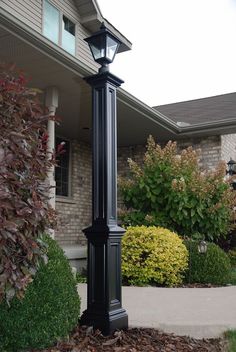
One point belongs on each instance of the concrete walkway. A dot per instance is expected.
(196, 312)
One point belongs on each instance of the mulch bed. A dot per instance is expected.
(84, 339)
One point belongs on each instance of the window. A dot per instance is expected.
(51, 22)
(58, 28)
(68, 35)
(62, 169)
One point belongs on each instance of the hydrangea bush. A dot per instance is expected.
(171, 190)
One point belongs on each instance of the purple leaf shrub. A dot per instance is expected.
(24, 164)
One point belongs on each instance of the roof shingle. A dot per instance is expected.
(209, 109)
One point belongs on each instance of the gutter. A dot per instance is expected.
(205, 127)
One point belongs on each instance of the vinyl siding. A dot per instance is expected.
(31, 13)
(28, 11)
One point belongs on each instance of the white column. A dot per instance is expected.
(51, 102)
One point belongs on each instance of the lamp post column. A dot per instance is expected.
(104, 307)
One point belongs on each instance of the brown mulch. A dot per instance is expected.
(85, 339)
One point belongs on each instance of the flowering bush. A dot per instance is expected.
(170, 190)
(24, 164)
(153, 255)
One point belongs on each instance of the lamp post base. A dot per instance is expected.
(104, 308)
(107, 322)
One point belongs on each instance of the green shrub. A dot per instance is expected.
(172, 191)
(212, 267)
(232, 257)
(153, 255)
(49, 310)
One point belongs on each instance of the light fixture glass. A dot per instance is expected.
(104, 46)
(202, 247)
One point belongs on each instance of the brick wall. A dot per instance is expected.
(210, 149)
(210, 152)
(74, 212)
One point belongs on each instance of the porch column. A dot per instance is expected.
(51, 102)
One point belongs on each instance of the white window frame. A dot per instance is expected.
(61, 14)
(69, 197)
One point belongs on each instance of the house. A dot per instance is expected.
(45, 39)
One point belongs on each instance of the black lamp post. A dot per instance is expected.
(231, 167)
(104, 309)
(231, 171)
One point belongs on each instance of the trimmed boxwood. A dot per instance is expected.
(212, 267)
(153, 255)
(49, 310)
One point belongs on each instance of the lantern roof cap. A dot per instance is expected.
(103, 29)
(231, 162)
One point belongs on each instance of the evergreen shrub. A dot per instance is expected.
(212, 267)
(232, 257)
(153, 255)
(49, 310)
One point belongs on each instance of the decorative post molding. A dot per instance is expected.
(104, 306)
(51, 102)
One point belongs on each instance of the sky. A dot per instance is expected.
(182, 50)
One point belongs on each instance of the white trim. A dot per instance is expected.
(61, 14)
(69, 198)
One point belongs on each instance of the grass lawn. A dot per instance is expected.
(231, 337)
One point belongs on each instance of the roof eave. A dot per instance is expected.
(93, 18)
(19, 29)
(93, 24)
(226, 126)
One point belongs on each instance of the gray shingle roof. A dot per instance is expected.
(210, 109)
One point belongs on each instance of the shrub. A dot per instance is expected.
(212, 267)
(153, 255)
(24, 164)
(171, 191)
(49, 310)
(232, 257)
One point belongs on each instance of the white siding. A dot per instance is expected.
(31, 13)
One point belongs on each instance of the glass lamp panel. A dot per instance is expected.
(112, 46)
(97, 47)
(97, 51)
(51, 22)
(234, 168)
